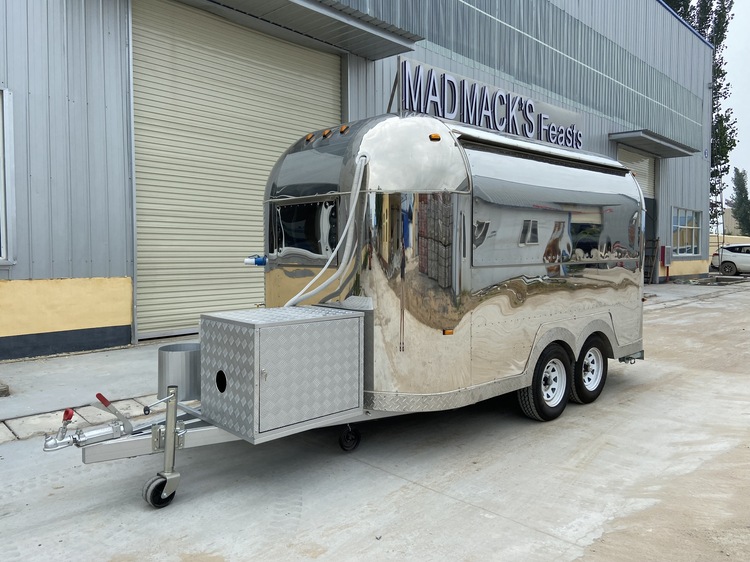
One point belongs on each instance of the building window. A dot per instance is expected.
(305, 229)
(686, 232)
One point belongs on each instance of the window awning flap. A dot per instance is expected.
(653, 143)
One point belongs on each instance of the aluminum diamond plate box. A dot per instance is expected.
(271, 372)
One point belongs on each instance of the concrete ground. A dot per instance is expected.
(656, 469)
(40, 389)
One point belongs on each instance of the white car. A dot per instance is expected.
(732, 259)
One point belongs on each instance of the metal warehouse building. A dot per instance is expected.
(137, 135)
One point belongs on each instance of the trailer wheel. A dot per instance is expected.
(152, 490)
(349, 439)
(590, 372)
(547, 396)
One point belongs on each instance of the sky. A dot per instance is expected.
(736, 55)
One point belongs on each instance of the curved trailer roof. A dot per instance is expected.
(420, 153)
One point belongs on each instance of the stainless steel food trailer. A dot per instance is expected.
(411, 264)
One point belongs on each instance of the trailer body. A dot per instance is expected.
(473, 251)
(411, 265)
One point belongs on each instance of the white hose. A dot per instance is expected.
(302, 295)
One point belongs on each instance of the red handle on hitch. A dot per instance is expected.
(68, 414)
(102, 399)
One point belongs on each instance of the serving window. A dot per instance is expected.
(307, 230)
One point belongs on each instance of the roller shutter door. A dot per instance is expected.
(643, 167)
(215, 104)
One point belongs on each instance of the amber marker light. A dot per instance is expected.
(343, 129)
(434, 137)
(309, 137)
(447, 332)
(327, 133)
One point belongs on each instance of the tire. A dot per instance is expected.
(590, 372)
(728, 268)
(152, 490)
(547, 396)
(349, 439)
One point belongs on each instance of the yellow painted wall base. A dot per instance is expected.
(56, 305)
(685, 268)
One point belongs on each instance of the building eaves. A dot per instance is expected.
(325, 25)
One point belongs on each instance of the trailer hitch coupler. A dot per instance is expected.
(61, 439)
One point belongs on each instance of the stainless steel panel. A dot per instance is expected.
(463, 300)
(180, 364)
(403, 402)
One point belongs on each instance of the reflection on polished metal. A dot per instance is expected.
(476, 251)
(449, 265)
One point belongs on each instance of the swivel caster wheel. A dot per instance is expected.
(152, 490)
(349, 439)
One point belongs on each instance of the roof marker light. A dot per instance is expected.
(434, 137)
(309, 137)
(343, 129)
(327, 133)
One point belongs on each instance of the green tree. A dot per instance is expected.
(711, 19)
(681, 7)
(741, 207)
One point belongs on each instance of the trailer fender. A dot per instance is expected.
(544, 337)
(599, 327)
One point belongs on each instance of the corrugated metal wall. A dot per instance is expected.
(620, 65)
(629, 61)
(66, 63)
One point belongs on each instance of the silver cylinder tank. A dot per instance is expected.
(180, 364)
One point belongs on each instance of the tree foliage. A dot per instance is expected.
(741, 207)
(681, 8)
(711, 19)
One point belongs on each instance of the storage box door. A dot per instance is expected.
(308, 371)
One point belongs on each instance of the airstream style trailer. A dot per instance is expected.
(484, 264)
(411, 265)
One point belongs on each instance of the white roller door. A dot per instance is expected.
(215, 104)
(643, 167)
